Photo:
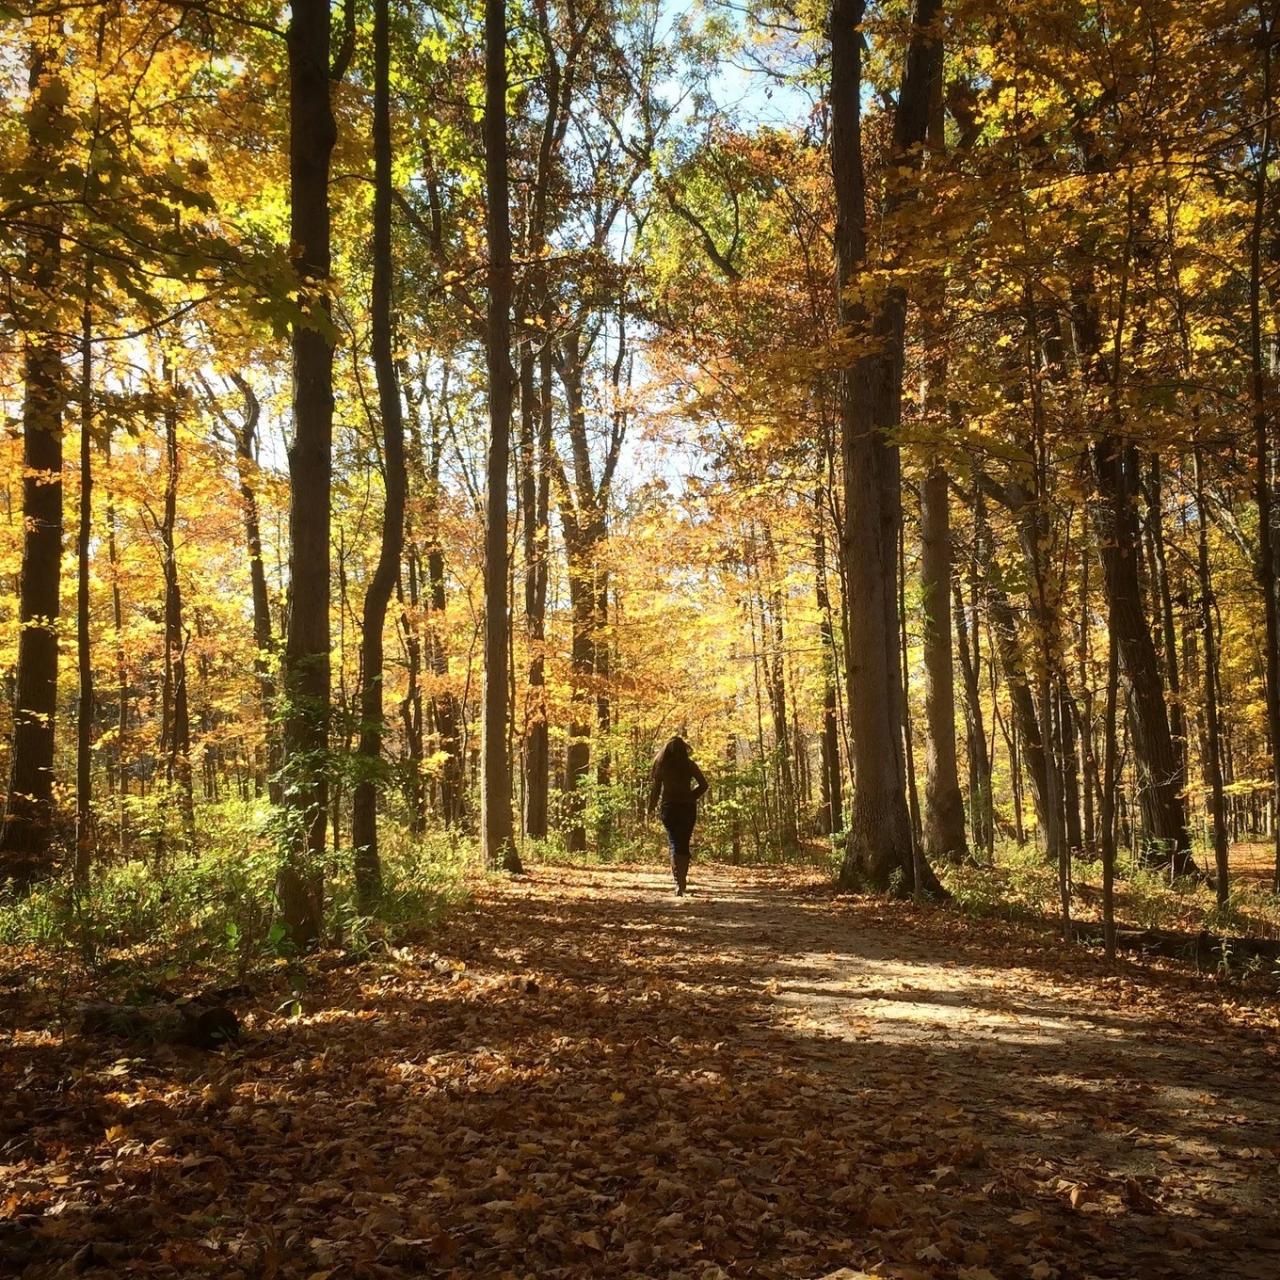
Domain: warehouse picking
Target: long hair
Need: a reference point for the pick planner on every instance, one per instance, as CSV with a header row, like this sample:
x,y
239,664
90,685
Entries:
x,y
674,754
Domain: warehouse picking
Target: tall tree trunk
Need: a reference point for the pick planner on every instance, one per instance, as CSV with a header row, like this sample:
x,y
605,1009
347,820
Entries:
x,y
28,818
411,706
312,134
364,800
264,640
579,546
175,730
537,744
943,804
446,714
1213,727
122,667
85,838
772,626
832,816
879,849
1160,777
1164,603
496,826
1261,390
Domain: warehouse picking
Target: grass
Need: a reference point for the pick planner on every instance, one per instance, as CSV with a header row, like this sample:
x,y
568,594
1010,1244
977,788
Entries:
x,y
1021,884
210,915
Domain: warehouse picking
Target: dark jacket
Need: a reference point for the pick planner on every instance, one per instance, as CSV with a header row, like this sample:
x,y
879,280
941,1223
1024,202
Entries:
x,y
675,782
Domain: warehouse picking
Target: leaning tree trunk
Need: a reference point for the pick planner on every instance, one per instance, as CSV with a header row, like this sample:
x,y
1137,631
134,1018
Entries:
x,y
263,634
28,818
364,800
305,673
496,827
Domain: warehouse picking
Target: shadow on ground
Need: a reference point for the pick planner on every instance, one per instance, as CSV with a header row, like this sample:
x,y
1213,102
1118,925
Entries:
x,y
588,1077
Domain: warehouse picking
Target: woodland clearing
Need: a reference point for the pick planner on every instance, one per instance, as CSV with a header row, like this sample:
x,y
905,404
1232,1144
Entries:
x,y
580,1075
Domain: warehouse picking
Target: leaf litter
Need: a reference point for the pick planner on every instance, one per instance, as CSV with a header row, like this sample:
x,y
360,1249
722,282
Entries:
x,y
582,1077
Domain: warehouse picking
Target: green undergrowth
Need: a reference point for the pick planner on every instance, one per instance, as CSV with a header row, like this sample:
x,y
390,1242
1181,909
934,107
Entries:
x,y
1021,884
210,914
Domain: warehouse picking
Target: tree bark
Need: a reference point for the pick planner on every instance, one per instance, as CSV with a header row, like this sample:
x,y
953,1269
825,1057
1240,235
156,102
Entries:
x,y
312,134
85,836
832,814
1213,727
944,837
175,728
26,835
1159,772
264,641
364,800
496,826
1266,446
879,849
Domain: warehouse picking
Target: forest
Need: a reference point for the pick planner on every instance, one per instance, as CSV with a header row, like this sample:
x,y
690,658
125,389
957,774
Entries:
x,y
416,414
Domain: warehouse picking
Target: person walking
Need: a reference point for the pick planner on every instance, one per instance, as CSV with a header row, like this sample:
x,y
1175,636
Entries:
x,y
677,784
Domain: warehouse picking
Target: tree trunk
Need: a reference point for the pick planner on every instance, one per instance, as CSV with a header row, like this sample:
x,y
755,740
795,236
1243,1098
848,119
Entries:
x,y
832,815
537,745
879,850
28,818
264,640
944,837
1266,447
497,833
175,727
1213,727
411,706
1160,777
85,839
981,815
312,134
446,715
364,800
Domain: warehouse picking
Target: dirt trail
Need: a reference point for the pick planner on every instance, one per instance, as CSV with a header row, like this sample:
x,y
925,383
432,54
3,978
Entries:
x,y
589,1077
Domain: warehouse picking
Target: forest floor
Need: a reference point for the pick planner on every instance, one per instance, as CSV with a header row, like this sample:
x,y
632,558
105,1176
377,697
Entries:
x,y
580,1075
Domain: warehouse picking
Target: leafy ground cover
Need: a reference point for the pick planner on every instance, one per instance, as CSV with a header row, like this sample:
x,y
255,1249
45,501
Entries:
x,y
579,1075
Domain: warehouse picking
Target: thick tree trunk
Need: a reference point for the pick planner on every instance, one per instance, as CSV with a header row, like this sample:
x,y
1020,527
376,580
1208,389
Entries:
x,y
312,134
1159,771
364,800
496,825
26,835
1266,445
944,837
879,849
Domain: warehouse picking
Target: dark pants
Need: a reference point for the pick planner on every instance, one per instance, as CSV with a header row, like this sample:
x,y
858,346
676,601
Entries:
x,y
678,819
